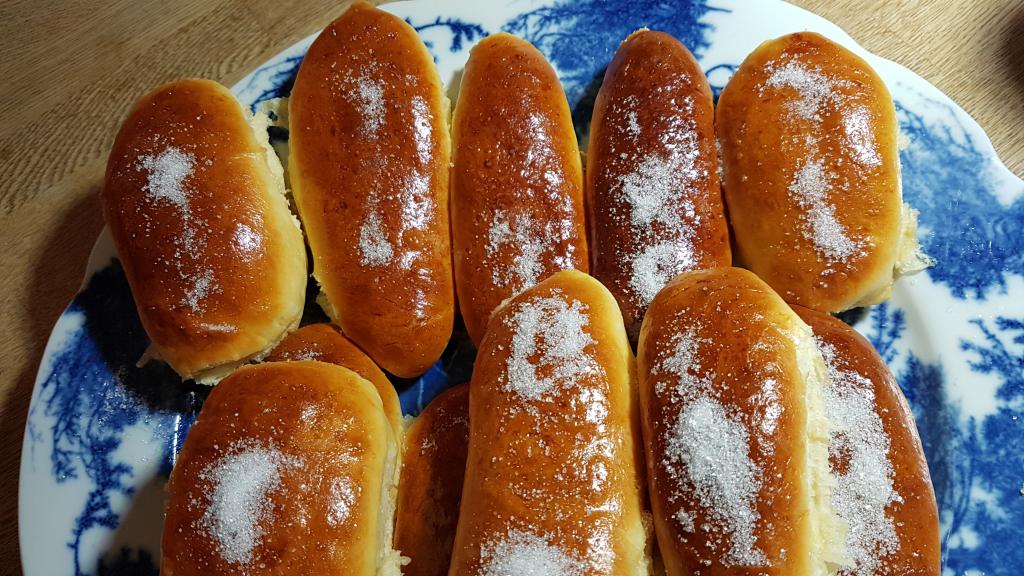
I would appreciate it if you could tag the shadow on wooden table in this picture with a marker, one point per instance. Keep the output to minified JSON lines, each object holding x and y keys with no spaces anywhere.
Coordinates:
{"x":59,"y":267}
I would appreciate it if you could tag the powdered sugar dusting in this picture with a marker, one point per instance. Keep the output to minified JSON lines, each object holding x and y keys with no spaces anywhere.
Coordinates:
{"x":686,"y":521}
{"x":531,"y":239}
{"x":343,"y":496}
{"x":415,"y":211}
{"x":812,"y":185}
{"x":423,"y":130}
{"x":859,"y":455}
{"x":655,"y":265}
{"x":549,"y":347}
{"x":810,"y":188}
{"x":632,"y":124}
{"x":398,"y":201}
{"x":684,"y":363}
{"x":526,"y":243}
{"x":708,"y":450}
{"x":308,"y":354}
{"x":368,"y":95}
{"x":374,"y":247}
{"x":694,"y":380}
{"x":657,"y":194}
{"x":520,"y":553}
{"x":651,"y":188}
{"x":815,"y":88}
{"x":167,"y":173}
{"x":200,"y":289}
{"x":309,"y":411}
{"x":542,"y":167}
{"x":503,"y":233}
{"x":239,"y":507}
{"x":860,"y":138}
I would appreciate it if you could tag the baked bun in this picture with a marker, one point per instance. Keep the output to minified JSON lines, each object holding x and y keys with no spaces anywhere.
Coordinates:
{"x":368,"y":161}
{"x":326,"y":343}
{"x":655,"y":206}
{"x":194,"y":198}
{"x":812,"y":175}
{"x":289,"y":469}
{"x":883,"y":489}
{"x":430,"y":489}
{"x":517,"y":181}
{"x":735,"y":431}
{"x":552,"y":477}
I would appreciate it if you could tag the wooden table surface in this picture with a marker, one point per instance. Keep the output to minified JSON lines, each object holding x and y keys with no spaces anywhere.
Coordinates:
{"x":72,"y":69}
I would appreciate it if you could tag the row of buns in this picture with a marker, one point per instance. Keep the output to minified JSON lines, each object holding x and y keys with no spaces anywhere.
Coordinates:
{"x":401,"y":213}
{"x":752,"y":433}
{"x":749,"y":436}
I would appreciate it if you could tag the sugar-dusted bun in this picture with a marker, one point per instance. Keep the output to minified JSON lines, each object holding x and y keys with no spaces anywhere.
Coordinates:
{"x":289,"y":469}
{"x":735,"y":432}
{"x":883,"y":488}
{"x":368,"y":161}
{"x":552,"y":476}
{"x":430,"y":489}
{"x":326,"y":343}
{"x":655,"y":206}
{"x":812,"y":174}
{"x":194,"y":198}
{"x":517,"y":181}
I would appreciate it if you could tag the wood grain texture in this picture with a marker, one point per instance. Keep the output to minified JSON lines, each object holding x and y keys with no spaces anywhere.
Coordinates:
{"x":71,"y":70}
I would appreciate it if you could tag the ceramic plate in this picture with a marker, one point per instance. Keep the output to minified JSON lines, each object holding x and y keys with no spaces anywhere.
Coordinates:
{"x":102,"y":434}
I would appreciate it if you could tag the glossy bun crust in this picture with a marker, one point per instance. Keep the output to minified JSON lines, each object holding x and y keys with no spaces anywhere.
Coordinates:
{"x":812,"y":176}
{"x":430,"y":490}
{"x":194,"y":199}
{"x":552,"y":470}
{"x":289,"y":469}
{"x":735,"y":440}
{"x":368,"y":161}
{"x":653,"y":196}
{"x":517,"y":181}
{"x":326,"y":343}
{"x":908,"y":542}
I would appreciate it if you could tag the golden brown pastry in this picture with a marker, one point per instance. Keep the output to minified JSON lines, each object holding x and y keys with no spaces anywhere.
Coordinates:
{"x":517,"y":182}
{"x":326,"y":343}
{"x":289,"y":469}
{"x":430,"y":490}
{"x":883,"y":488}
{"x":655,"y":206}
{"x":812,"y":175}
{"x":552,"y":480}
{"x":368,"y":161}
{"x":194,"y":198}
{"x":735,"y":431}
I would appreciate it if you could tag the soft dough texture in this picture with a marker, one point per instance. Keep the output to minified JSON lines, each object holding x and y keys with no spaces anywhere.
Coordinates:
{"x":368,"y":161}
{"x":517,"y":180}
{"x":655,"y":206}
{"x":326,"y":343}
{"x":812,"y":175}
{"x":883,"y":488}
{"x":553,"y":484}
{"x":430,"y":490}
{"x":731,"y":393}
{"x":289,"y":469}
{"x":194,"y":199}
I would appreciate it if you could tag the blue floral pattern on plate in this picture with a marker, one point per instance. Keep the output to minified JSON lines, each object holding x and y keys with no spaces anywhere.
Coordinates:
{"x":102,"y":433}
